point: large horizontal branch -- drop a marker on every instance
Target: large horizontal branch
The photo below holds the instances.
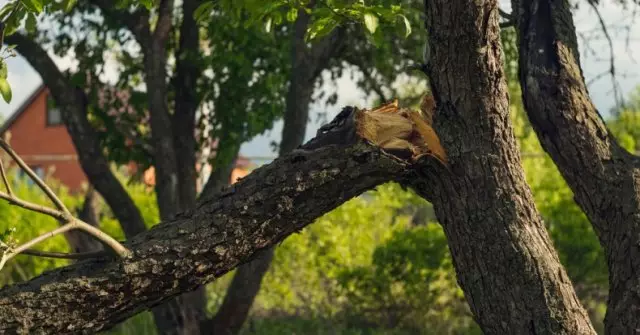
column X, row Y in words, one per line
column 222, row 232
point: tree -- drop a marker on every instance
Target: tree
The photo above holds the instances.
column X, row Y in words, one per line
column 599, row 171
column 503, row 257
column 230, row 123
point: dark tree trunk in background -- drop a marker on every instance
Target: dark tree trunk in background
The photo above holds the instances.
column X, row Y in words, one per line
column 603, row 176
column 74, row 106
column 504, row 259
column 175, row 316
column 307, row 64
column 78, row 240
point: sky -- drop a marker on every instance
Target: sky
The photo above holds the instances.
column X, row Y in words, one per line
column 623, row 26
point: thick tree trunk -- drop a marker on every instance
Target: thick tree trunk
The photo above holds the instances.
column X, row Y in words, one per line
column 603, row 176
column 504, row 259
column 174, row 257
column 307, row 64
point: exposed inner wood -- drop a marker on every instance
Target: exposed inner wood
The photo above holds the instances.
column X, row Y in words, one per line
column 405, row 133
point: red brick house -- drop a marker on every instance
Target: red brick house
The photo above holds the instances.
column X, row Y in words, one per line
column 36, row 132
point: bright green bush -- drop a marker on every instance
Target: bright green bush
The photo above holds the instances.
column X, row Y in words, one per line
column 18, row 225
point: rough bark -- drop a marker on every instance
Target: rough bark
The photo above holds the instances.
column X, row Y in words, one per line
column 74, row 112
column 307, row 64
column 604, row 178
column 177, row 256
column 186, row 104
column 154, row 50
column 504, row 259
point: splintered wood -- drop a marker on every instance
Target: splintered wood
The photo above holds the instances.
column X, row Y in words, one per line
column 402, row 132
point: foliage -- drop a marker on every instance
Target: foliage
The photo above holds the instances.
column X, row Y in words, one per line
column 327, row 14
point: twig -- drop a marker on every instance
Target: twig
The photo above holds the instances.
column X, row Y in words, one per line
column 56, row 201
column 4, row 179
column 34, row 207
column 62, row 214
column 505, row 15
column 612, row 67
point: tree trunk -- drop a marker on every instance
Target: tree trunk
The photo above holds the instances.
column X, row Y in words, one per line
column 74, row 106
column 80, row 241
column 307, row 64
column 604, row 178
column 504, row 259
column 219, row 234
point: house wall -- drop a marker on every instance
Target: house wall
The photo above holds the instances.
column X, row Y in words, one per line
column 49, row 147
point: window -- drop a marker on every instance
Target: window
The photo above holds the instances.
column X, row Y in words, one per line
column 22, row 176
column 54, row 117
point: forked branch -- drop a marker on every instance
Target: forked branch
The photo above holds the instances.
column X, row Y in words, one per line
column 60, row 213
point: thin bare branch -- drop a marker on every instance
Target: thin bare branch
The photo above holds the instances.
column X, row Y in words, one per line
column 62, row 214
column 34, row 207
column 505, row 15
column 612, row 67
column 11, row 252
column 4, row 179
column 56, row 201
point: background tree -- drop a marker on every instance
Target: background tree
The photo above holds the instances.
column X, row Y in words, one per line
column 492, row 107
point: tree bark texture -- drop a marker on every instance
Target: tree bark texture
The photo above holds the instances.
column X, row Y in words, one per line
column 307, row 64
column 186, row 104
column 175, row 186
column 504, row 259
column 604, row 178
column 177, row 256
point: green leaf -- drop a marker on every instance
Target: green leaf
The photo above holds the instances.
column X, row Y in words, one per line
column 31, row 23
column 407, row 25
column 203, row 11
column 33, row 5
column 148, row 4
column 292, row 14
column 68, row 5
column 267, row 25
column 5, row 90
column 321, row 27
column 4, row 11
column 371, row 22
column 4, row 72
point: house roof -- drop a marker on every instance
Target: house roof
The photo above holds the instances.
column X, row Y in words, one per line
column 22, row 108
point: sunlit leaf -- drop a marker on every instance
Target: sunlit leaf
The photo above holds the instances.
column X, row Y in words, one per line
column 31, row 23
column 407, row 26
column 267, row 25
column 371, row 22
column 4, row 72
column 203, row 11
column 33, row 5
column 292, row 14
column 5, row 90
column 68, row 5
